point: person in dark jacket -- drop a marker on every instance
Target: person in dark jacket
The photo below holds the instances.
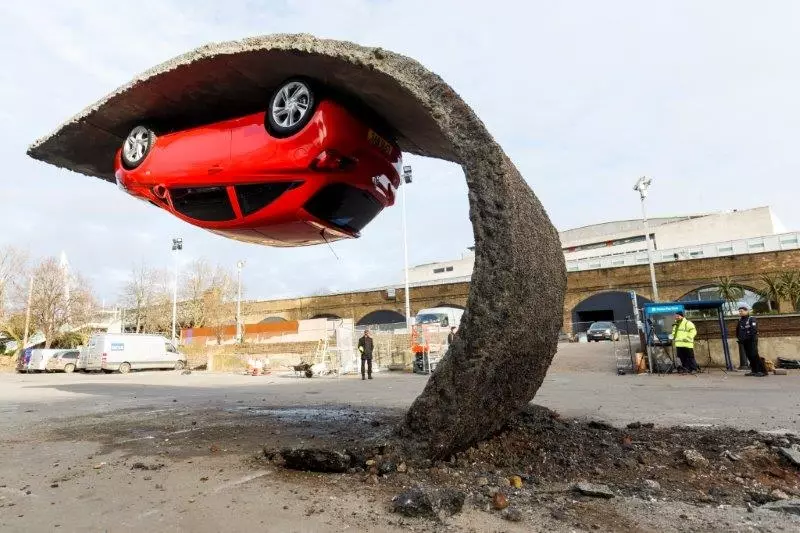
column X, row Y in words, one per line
column 365, row 347
column 747, row 336
column 452, row 335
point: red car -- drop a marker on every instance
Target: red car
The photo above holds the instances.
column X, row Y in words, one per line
column 308, row 170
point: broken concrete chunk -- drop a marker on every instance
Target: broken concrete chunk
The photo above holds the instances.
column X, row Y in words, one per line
column 425, row 502
column 695, row 459
column 792, row 454
column 316, row 460
column 594, row 490
column 784, row 506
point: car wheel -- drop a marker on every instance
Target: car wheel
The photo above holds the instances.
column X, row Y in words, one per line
column 124, row 368
column 180, row 365
column 290, row 108
column 137, row 145
column 69, row 369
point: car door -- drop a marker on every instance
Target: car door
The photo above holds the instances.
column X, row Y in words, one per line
column 170, row 355
column 196, row 155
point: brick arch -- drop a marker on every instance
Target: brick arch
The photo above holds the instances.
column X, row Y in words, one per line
column 381, row 316
column 455, row 306
column 618, row 306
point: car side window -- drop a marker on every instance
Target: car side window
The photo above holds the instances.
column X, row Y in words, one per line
column 255, row 196
column 70, row 355
column 169, row 347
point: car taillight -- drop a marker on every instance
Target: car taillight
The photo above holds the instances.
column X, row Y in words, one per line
column 331, row 160
column 103, row 357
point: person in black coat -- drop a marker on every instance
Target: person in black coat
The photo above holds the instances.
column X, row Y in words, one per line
column 452, row 335
column 747, row 336
column 365, row 347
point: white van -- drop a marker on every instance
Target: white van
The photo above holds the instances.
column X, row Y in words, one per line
column 39, row 359
column 82, row 358
column 445, row 317
column 123, row 352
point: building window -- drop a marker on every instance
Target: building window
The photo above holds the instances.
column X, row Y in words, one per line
column 449, row 269
column 438, row 270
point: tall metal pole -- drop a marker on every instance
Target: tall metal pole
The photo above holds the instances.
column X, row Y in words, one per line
column 27, row 318
column 239, row 336
column 642, row 185
column 406, row 181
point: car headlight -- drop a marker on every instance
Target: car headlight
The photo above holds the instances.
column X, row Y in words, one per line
column 608, row 332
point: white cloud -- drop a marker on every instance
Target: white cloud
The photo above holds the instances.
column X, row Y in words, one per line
column 584, row 97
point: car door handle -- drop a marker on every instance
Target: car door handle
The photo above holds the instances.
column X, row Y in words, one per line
column 216, row 169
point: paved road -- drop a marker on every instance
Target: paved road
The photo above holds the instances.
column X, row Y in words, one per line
column 70, row 443
column 575, row 387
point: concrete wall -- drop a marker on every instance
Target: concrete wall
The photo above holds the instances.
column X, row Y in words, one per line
column 668, row 233
column 460, row 268
column 716, row 228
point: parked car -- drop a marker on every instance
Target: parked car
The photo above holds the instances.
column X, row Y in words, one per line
column 123, row 352
column 63, row 361
column 309, row 170
column 40, row 358
column 602, row 331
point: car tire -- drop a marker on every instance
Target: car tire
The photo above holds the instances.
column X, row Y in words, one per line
column 69, row 369
column 291, row 107
column 136, row 146
column 180, row 365
column 124, row 368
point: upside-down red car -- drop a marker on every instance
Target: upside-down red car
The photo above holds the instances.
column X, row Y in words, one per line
column 308, row 170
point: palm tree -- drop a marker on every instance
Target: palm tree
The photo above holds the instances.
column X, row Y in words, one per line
column 772, row 290
column 730, row 291
column 790, row 287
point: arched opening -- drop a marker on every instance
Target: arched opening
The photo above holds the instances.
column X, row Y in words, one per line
column 327, row 316
column 384, row 316
column 747, row 295
column 454, row 306
column 273, row 320
column 612, row 306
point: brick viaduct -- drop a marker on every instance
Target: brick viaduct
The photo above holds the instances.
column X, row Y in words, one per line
column 675, row 279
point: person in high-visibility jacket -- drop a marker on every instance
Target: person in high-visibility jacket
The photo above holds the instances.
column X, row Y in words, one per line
column 683, row 334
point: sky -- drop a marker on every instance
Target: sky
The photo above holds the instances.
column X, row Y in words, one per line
column 584, row 97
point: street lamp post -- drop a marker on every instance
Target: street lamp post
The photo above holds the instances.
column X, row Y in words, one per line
column 406, row 181
column 239, row 332
column 177, row 245
column 642, row 185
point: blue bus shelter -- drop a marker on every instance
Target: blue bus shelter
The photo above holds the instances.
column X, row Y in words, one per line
column 655, row 313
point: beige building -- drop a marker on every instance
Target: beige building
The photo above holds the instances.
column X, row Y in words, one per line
column 623, row 243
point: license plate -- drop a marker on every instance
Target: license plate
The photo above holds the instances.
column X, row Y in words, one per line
column 380, row 143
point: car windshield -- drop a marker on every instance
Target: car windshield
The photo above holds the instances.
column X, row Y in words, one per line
column 344, row 206
column 601, row 325
column 431, row 318
column 203, row 203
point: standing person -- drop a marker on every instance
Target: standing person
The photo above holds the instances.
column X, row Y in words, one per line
column 747, row 336
column 452, row 335
column 365, row 347
column 683, row 334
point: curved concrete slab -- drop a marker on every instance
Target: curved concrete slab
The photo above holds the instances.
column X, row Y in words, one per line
column 514, row 310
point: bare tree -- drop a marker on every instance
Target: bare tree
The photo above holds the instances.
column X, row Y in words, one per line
column 59, row 299
column 208, row 295
column 13, row 263
column 146, row 296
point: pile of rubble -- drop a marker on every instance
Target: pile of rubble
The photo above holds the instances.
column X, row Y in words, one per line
column 541, row 456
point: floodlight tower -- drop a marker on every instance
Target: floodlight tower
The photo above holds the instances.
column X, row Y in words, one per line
column 641, row 186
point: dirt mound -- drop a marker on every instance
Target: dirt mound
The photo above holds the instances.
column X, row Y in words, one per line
column 541, row 453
